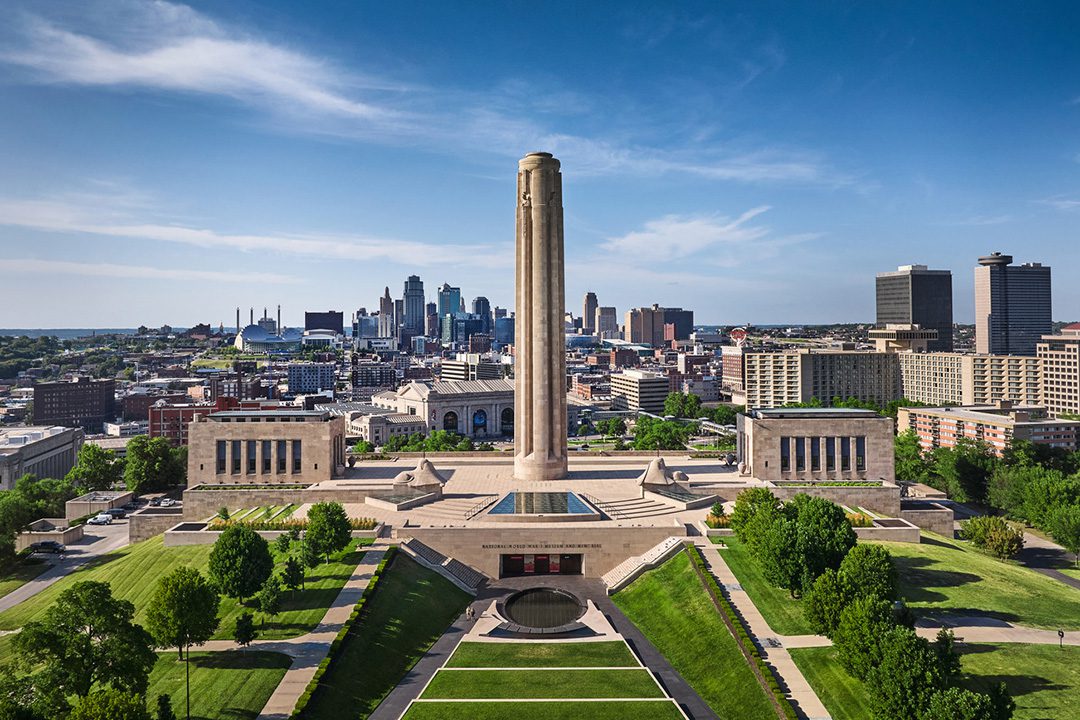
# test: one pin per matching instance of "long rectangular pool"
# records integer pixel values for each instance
(541, 503)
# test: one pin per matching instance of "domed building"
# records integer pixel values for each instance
(255, 338)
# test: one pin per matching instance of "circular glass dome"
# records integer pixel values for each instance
(543, 608)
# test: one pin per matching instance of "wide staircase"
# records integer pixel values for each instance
(448, 510)
(628, 570)
(453, 570)
(633, 508)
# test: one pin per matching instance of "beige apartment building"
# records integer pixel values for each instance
(776, 379)
(956, 379)
(1060, 358)
(242, 447)
(639, 390)
(996, 425)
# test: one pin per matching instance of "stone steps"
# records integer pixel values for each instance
(625, 572)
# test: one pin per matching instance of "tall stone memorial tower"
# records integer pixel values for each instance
(539, 345)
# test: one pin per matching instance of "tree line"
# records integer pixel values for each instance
(87, 658)
(1030, 483)
(849, 593)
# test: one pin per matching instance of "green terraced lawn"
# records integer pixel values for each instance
(783, 612)
(1044, 680)
(613, 710)
(132, 572)
(541, 654)
(844, 697)
(409, 610)
(224, 685)
(672, 608)
(524, 684)
(20, 574)
(943, 576)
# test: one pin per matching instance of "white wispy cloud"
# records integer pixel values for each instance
(187, 52)
(713, 239)
(977, 221)
(32, 266)
(1061, 202)
(62, 215)
(170, 47)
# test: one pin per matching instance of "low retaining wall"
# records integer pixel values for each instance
(177, 536)
(201, 504)
(931, 516)
(48, 529)
(883, 499)
(151, 522)
(89, 505)
(907, 533)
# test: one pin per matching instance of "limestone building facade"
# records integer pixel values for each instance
(243, 447)
(476, 408)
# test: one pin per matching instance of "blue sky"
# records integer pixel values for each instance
(756, 162)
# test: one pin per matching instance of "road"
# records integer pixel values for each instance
(98, 540)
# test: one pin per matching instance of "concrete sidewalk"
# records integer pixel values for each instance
(97, 542)
(773, 647)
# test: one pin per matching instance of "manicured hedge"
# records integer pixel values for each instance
(784, 706)
(313, 685)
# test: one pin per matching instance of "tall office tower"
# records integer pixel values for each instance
(914, 295)
(386, 315)
(449, 301)
(482, 309)
(364, 325)
(540, 367)
(1012, 305)
(415, 315)
(499, 312)
(646, 325)
(588, 317)
(606, 323)
(329, 320)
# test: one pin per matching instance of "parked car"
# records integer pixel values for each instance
(167, 502)
(117, 513)
(47, 546)
(102, 519)
(154, 502)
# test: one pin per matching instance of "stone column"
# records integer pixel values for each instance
(539, 345)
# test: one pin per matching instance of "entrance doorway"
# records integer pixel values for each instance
(540, 564)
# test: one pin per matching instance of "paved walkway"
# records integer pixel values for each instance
(1046, 557)
(991, 630)
(307, 651)
(774, 648)
(96, 542)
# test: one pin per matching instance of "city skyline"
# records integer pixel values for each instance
(723, 160)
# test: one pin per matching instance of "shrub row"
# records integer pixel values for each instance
(313, 684)
(717, 521)
(858, 519)
(831, 483)
(265, 486)
(287, 524)
(742, 636)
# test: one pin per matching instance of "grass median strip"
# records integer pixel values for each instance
(539, 654)
(558, 710)
(555, 683)
(233, 685)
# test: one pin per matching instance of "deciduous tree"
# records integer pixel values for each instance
(183, 610)
(328, 529)
(96, 468)
(240, 562)
(110, 704)
(87, 638)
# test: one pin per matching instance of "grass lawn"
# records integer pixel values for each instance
(482, 684)
(132, 572)
(1044, 680)
(409, 610)
(540, 654)
(783, 612)
(21, 573)
(1072, 572)
(944, 576)
(615, 710)
(844, 696)
(224, 685)
(672, 608)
